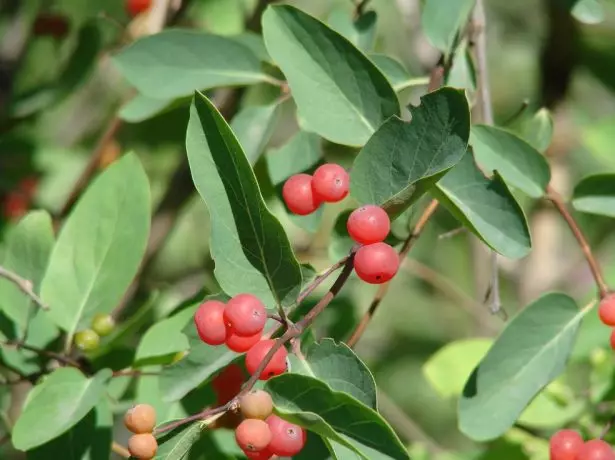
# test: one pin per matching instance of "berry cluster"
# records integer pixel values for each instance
(263, 434)
(89, 339)
(141, 420)
(569, 445)
(303, 194)
(136, 7)
(239, 324)
(606, 311)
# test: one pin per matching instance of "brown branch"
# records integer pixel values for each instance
(383, 289)
(135, 373)
(291, 333)
(49, 354)
(594, 266)
(320, 278)
(24, 286)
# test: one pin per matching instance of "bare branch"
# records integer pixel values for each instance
(24, 286)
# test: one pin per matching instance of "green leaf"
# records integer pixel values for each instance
(537, 130)
(395, 72)
(176, 444)
(588, 11)
(301, 154)
(401, 160)
(141, 107)
(339, 367)
(253, 127)
(248, 244)
(517, 161)
(361, 32)
(486, 207)
(462, 73)
(201, 363)
(100, 247)
(312, 404)
(255, 43)
(448, 369)
(61, 401)
(340, 94)
(530, 353)
(442, 20)
(165, 337)
(595, 195)
(177, 62)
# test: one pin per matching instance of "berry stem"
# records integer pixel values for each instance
(49, 354)
(383, 289)
(120, 450)
(323, 276)
(594, 266)
(133, 372)
(23, 285)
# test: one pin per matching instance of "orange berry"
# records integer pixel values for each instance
(140, 419)
(143, 446)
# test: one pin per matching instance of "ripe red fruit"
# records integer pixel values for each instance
(256, 404)
(564, 445)
(596, 449)
(298, 195)
(287, 439)
(606, 310)
(15, 205)
(376, 263)
(143, 446)
(330, 183)
(135, 7)
(262, 455)
(253, 435)
(228, 383)
(140, 419)
(255, 355)
(245, 314)
(209, 322)
(368, 224)
(241, 344)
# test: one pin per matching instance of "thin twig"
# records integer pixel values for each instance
(320, 278)
(607, 427)
(24, 286)
(49, 354)
(120, 450)
(383, 289)
(594, 266)
(291, 333)
(135, 373)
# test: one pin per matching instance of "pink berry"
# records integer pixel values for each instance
(241, 344)
(606, 310)
(245, 314)
(287, 439)
(298, 195)
(376, 263)
(368, 224)
(253, 435)
(596, 449)
(330, 183)
(262, 455)
(209, 322)
(257, 353)
(564, 445)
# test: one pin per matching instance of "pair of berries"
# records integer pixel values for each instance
(606, 312)
(101, 326)
(141, 420)
(303, 194)
(375, 262)
(569, 445)
(136, 7)
(263, 434)
(239, 324)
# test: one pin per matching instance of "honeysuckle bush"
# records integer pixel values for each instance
(422, 146)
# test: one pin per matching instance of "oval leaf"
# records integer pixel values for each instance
(60, 402)
(248, 244)
(141, 107)
(253, 127)
(518, 162)
(486, 207)
(100, 247)
(443, 19)
(361, 32)
(339, 92)
(401, 160)
(595, 195)
(177, 62)
(312, 404)
(530, 353)
(176, 444)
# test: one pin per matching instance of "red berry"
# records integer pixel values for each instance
(51, 25)
(606, 310)
(298, 195)
(287, 439)
(15, 205)
(209, 322)
(228, 383)
(135, 7)
(368, 224)
(255, 355)
(330, 183)
(564, 445)
(596, 449)
(241, 344)
(262, 455)
(253, 435)
(376, 263)
(245, 314)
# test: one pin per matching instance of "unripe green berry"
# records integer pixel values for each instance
(87, 340)
(103, 324)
